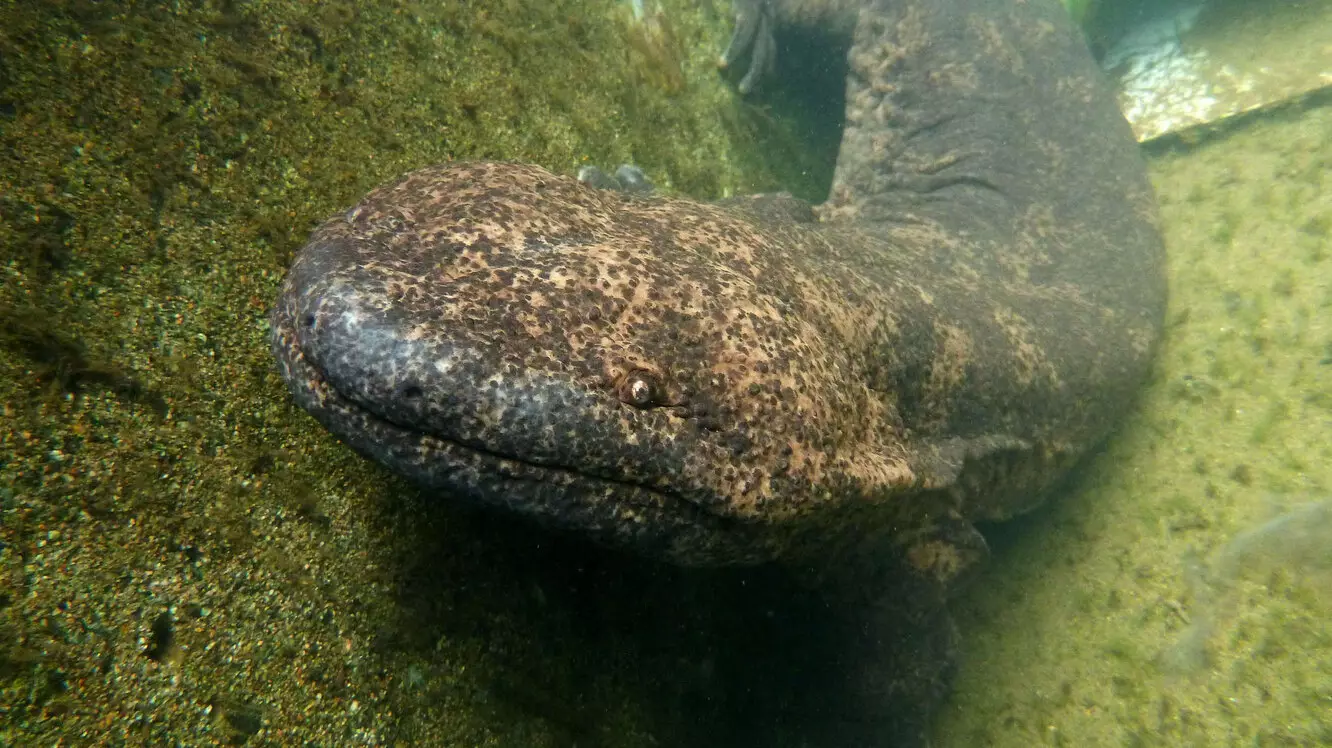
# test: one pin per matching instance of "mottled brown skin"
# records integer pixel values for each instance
(841, 388)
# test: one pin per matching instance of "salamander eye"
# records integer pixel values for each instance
(639, 388)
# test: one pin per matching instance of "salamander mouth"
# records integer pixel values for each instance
(404, 445)
(642, 511)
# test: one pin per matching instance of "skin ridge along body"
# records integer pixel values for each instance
(732, 383)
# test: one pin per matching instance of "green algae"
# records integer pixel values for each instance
(184, 557)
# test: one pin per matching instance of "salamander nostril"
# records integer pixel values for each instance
(412, 392)
(308, 320)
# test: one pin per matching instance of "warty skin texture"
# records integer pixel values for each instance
(845, 388)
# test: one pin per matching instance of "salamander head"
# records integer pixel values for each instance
(640, 370)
